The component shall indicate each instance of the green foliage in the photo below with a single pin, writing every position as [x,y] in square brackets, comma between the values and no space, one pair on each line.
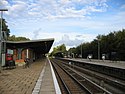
[14,38]
[5,27]
[113,42]
[59,49]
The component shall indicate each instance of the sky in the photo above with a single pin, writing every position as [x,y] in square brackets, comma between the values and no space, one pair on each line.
[71,22]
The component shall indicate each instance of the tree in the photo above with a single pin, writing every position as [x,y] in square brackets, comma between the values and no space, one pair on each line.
[113,45]
[14,38]
[59,49]
[5,27]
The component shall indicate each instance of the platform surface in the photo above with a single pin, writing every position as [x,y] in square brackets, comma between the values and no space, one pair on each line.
[23,80]
[115,64]
[47,86]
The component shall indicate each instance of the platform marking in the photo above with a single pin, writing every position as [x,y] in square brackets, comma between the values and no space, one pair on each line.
[39,82]
[56,85]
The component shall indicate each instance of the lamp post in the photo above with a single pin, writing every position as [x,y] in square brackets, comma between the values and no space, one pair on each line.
[81,50]
[98,48]
[2,42]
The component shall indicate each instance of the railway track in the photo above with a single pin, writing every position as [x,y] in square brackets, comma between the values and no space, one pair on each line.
[67,84]
[110,84]
[75,83]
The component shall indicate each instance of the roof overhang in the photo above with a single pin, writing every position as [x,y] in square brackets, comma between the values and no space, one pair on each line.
[40,46]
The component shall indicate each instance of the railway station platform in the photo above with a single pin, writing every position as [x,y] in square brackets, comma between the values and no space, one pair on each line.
[37,79]
[115,64]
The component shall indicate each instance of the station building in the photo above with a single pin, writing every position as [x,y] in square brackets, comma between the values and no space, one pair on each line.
[32,49]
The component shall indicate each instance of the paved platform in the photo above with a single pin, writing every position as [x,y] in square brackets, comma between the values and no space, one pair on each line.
[115,64]
[47,81]
[23,81]
[47,86]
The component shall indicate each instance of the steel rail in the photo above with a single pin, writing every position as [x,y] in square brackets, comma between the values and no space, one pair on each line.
[110,80]
[83,90]
[63,82]
[99,89]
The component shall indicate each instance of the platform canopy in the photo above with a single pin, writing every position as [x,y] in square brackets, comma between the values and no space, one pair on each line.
[39,46]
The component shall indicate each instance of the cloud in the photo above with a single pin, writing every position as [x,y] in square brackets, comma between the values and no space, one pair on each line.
[69,42]
[16,9]
[36,33]
[123,6]
[69,39]
[52,9]
[78,36]
[3,3]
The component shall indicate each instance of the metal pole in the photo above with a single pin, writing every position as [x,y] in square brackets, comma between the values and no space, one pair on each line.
[98,49]
[71,53]
[1,41]
[81,50]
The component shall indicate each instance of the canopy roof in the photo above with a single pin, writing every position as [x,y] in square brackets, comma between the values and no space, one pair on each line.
[39,46]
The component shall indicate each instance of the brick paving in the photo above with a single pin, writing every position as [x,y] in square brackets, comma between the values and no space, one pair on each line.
[20,80]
